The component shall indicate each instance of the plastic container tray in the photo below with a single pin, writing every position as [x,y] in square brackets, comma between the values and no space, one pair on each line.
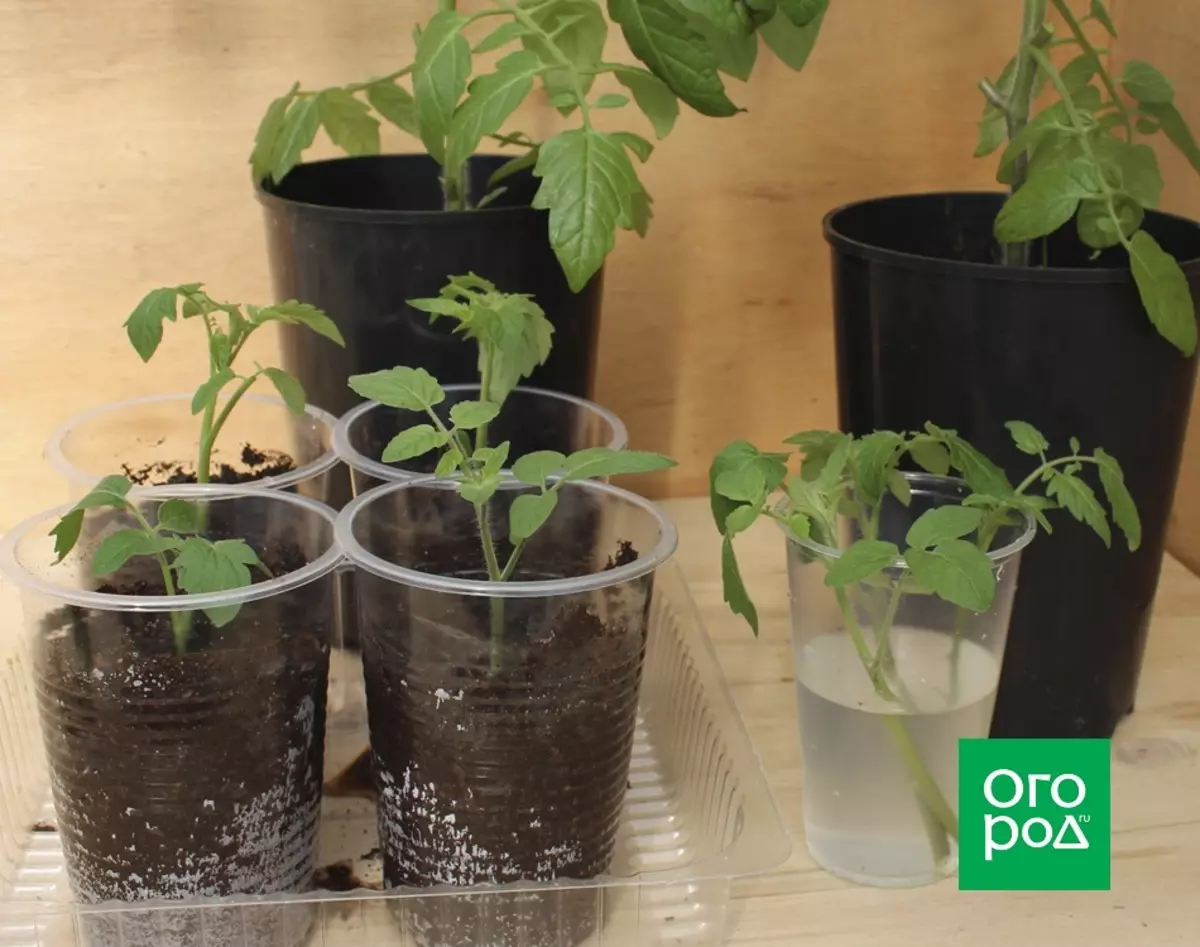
[697,814]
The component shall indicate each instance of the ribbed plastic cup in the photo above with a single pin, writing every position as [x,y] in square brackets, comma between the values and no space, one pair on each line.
[160,431]
[531,419]
[501,713]
[180,776]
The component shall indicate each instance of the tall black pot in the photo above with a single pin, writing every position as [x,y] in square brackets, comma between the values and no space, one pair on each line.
[358,237]
[930,327]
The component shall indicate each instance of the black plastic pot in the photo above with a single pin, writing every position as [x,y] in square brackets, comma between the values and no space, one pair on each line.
[930,327]
[358,237]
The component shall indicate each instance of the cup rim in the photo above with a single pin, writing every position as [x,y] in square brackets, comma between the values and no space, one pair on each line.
[361,558]
[56,457]
[361,463]
[12,569]
[1023,539]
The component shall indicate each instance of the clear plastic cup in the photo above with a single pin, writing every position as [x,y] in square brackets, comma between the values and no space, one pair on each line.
[502,714]
[531,419]
[880,733]
[179,775]
[159,432]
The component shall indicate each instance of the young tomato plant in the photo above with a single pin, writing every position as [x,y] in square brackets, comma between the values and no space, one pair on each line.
[188,562]
[513,337]
[588,179]
[225,342]
[838,494]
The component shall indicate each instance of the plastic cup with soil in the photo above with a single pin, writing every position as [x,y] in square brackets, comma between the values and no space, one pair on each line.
[153,441]
[194,773]
[530,419]
[502,713]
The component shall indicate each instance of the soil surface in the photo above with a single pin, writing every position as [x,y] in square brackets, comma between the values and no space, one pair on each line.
[188,775]
[255,465]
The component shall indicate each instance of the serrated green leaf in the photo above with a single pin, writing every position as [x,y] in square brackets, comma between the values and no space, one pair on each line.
[1124,510]
[412,389]
[653,96]
[659,35]
[860,561]
[804,12]
[741,519]
[1096,226]
[144,325]
[293,312]
[1079,72]
[736,55]
[493,458]
[930,455]
[1047,200]
[1140,175]
[118,548]
[874,457]
[592,462]
[266,138]
[1177,130]
[299,128]
[636,144]
[899,486]
[1048,138]
[587,183]
[1079,500]
[502,35]
[529,513]
[1099,12]
[395,104]
[1029,440]
[993,131]
[957,572]
[440,306]
[835,465]
[733,588]
[799,525]
[178,516]
[289,388]
[478,494]
[638,214]
[109,492]
[491,100]
[448,463]
[440,72]
[942,523]
[348,122]
[727,16]
[413,442]
[66,534]
[736,456]
[743,485]
[580,32]
[1146,84]
[981,475]
[817,447]
[791,43]
[535,467]
[207,393]
[468,415]
[1164,291]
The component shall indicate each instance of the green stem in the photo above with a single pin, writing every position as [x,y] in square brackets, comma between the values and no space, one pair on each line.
[485,391]
[560,57]
[180,621]
[1060,462]
[860,645]
[1075,25]
[884,661]
[210,428]
[1020,104]
[495,603]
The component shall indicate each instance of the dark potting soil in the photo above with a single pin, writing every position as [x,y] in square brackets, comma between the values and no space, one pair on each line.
[188,776]
[256,465]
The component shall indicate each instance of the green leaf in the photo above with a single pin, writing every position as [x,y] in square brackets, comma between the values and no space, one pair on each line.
[293,312]
[1079,72]
[118,548]
[836,465]
[587,183]
[1096,226]
[1046,201]
[653,96]
[207,393]
[957,572]
[899,487]
[412,389]
[736,55]
[203,567]
[144,325]
[266,139]
[289,388]
[440,72]
[743,484]
[1079,500]
[592,462]
[535,467]
[981,475]
[1124,510]
[1146,84]
[501,36]
[109,492]
[930,455]
[659,35]
[737,456]
[860,561]
[395,104]
[727,16]
[1164,291]
[468,415]
[529,513]
[611,100]
[348,122]
[1177,129]
[1099,13]
[178,516]
[66,534]
[580,31]
[1140,175]
[792,44]
[478,494]
[640,212]
[448,463]
[413,442]
[741,519]
[440,306]
[1029,440]
[299,128]
[817,447]
[804,12]
[734,589]
[941,523]
[492,458]
[874,458]
[491,101]
[993,132]
[799,525]
[636,144]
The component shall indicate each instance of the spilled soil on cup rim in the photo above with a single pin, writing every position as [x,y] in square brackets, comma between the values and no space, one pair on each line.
[254,465]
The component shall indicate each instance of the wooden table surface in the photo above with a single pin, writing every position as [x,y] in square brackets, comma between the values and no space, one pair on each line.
[1156,791]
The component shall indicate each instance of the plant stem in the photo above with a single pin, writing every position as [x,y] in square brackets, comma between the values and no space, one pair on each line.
[210,428]
[181,624]
[884,660]
[563,60]
[1075,25]
[1020,104]
[1048,465]
[860,646]
[495,603]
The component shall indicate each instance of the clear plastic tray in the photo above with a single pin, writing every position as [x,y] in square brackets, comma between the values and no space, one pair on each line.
[697,814]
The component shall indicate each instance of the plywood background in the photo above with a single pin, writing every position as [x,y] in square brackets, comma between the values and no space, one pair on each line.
[127,125]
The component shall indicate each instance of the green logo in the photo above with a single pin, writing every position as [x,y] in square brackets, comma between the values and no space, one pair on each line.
[1034,815]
